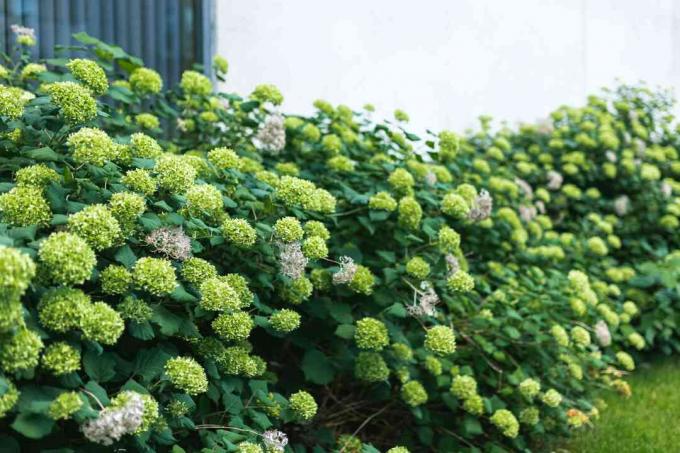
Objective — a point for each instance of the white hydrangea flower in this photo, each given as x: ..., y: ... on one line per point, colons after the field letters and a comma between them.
x: 272, y: 135
x: 112, y: 424
x: 291, y: 259
x: 604, y: 337
x: 554, y: 180
x: 275, y: 440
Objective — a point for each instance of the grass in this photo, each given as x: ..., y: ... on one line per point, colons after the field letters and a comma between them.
x: 646, y: 422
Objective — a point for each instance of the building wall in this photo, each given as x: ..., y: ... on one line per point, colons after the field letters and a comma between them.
x: 446, y: 62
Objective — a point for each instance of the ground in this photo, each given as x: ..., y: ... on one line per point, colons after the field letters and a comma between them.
x: 647, y: 422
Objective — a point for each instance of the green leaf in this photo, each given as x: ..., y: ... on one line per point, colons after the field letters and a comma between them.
x: 100, y: 368
x: 33, y: 426
x: 42, y: 154
x: 125, y: 256
x: 149, y: 363
x: 397, y: 309
x: 169, y: 322
x: 317, y: 368
x: 181, y: 295
x: 345, y: 331
x: 471, y: 426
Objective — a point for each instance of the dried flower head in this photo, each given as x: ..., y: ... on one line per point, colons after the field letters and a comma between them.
x: 481, y: 207
x: 347, y: 270
x: 171, y: 242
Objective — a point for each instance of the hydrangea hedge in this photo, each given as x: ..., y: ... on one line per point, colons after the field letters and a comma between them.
x: 185, y: 269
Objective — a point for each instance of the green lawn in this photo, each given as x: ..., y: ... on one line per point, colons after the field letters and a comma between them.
x: 649, y: 421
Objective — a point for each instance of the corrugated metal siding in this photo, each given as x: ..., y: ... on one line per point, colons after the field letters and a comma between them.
x: 169, y: 35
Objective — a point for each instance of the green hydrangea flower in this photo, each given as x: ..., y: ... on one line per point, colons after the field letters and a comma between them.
x: 204, y: 201
x: 11, y: 314
x: 126, y: 208
x: 89, y: 74
x: 67, y: 258
x: 460, y: 281
x: 474, y: 405
x: 398, y: 449
x: 288, y: 229
x: 115, y: 279
x: 239, y: 232
x: 218, y: 295
x: 61, y: 358
x: 560, y: 335
x: 303, y: 405
x: 455, y: 205
x: 371, y: 334
x: 309, y: 131
x: 363, y: 280
x: 194, y: 83
x: 145, y: 147
x: 234, y: 326
x: 38, y: 175
x: 413, y: 393
x: 401, y: 181
x: 61, y: 309
x: 332, y: 144
x: 25, y: 206
x: 529, y: 388
x: 8, y: 399
x: 418, y: 268
x: 529, y: 416
x: 140, y: 181
x: 371, y: 367
x: 449, y: 144
x: 154, y: 275
x: 135, y: 310
x: 267, y: 93
x: 21, y: 351
x: 505, y: 421
x: 402, y: 352
x: 220, y: 64
x: 321, y: 279
x: 224, y: 159
x: 449, y: 240
x: 74, y: 100
x: 315, y: 248
x: 147, y: 121
x: 284, y: 320
x: 16, y: 272
x: 433, y: 365
x: 197, y: 270
x: 298, y: 291
x: 13, y: 101
x: 410, y: 213
x: 32, y: 71
x: 580, y: 336
x: 625, y: 360
x: 440, y: 340
x: 97, y: 225
x: 145, y: 81
x: 65, y: 405
x: 551, y: 398
x: 314, y: 228
x: 248, y: 447
x: 101, y: 323
x: 464, y: 387
x: 186, y: 374
x: 174, y: 174
x: 350, y: 444
x: 91, y: 146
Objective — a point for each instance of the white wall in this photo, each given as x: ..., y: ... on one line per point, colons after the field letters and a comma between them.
x: 447, y: 61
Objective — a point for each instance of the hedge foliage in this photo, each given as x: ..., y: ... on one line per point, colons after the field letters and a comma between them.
x: 189, y: 270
